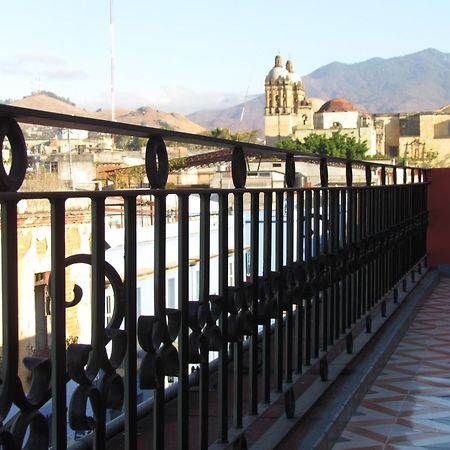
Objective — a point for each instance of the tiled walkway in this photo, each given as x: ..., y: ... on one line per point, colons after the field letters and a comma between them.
x: 408, y: 406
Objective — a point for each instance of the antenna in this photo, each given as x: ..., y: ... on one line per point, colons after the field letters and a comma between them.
x: 111, y: 38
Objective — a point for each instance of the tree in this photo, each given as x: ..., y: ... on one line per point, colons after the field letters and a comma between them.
x: 129, y: 142
x: 338, y: 145
x: 225, y: 133
x: 53, y: 95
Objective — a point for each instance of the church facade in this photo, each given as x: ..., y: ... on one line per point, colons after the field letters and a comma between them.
x: 422, y: 138
x: 290, y: 114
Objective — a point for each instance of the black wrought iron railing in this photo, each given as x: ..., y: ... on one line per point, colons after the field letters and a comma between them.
x: 283, y: 275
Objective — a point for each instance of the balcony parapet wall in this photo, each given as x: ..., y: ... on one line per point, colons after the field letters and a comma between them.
x: 438, y: 237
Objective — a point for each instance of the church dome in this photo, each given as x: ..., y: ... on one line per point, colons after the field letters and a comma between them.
x: 338, y: 105
x: 292, y: 75
x: 277, y: 71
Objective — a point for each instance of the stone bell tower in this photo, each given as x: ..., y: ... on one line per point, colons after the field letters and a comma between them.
x: 284, y: 96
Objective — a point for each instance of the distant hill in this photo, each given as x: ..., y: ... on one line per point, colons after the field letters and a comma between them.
x: 410, y: 83
x: 142, y: 116
x: 252, y: 113
x: 154, y: 118
x: 50, y: 103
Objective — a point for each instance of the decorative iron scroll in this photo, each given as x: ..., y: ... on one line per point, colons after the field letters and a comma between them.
x: 268, y: 295
x: 29, y: 416
x: 156, y: 336
x: 97, y: 379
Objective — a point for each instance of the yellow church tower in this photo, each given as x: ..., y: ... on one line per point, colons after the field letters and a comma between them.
x: 285, y: 102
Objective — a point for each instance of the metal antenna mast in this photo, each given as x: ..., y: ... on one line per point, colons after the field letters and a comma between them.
x: 111, y: 37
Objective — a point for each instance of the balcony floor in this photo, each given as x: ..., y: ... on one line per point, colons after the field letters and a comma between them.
x: 408, y: 406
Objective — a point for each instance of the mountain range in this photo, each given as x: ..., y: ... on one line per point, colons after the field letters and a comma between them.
x: 410, y: 83
x: 145, y: 116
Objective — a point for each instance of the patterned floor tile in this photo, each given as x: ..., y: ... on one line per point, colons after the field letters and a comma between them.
x: 408, y: 406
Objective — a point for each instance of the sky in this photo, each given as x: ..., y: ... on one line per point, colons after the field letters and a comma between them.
x: 201, y: 54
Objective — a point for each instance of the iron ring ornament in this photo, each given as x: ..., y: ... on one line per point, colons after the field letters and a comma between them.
x: 323, y: 172
x: 290, y: 170
x: 238, y: 168
x: 10, y: 129
x: 206, y: 336
x: 349, y: 173
x: 156, y: 162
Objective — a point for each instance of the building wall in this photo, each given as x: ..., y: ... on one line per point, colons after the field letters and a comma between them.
x: 328, y: 120
x: 278, y: 127
x: 368, y: 134
x: 388, y: 133
x: 406, y: 134
x: 435, y: 133
x: 438, y: 244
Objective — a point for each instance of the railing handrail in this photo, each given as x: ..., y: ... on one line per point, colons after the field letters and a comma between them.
x: 52, y: 119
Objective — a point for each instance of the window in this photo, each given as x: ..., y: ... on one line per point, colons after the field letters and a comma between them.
x: 393, y: 150
x: 410, y: 125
